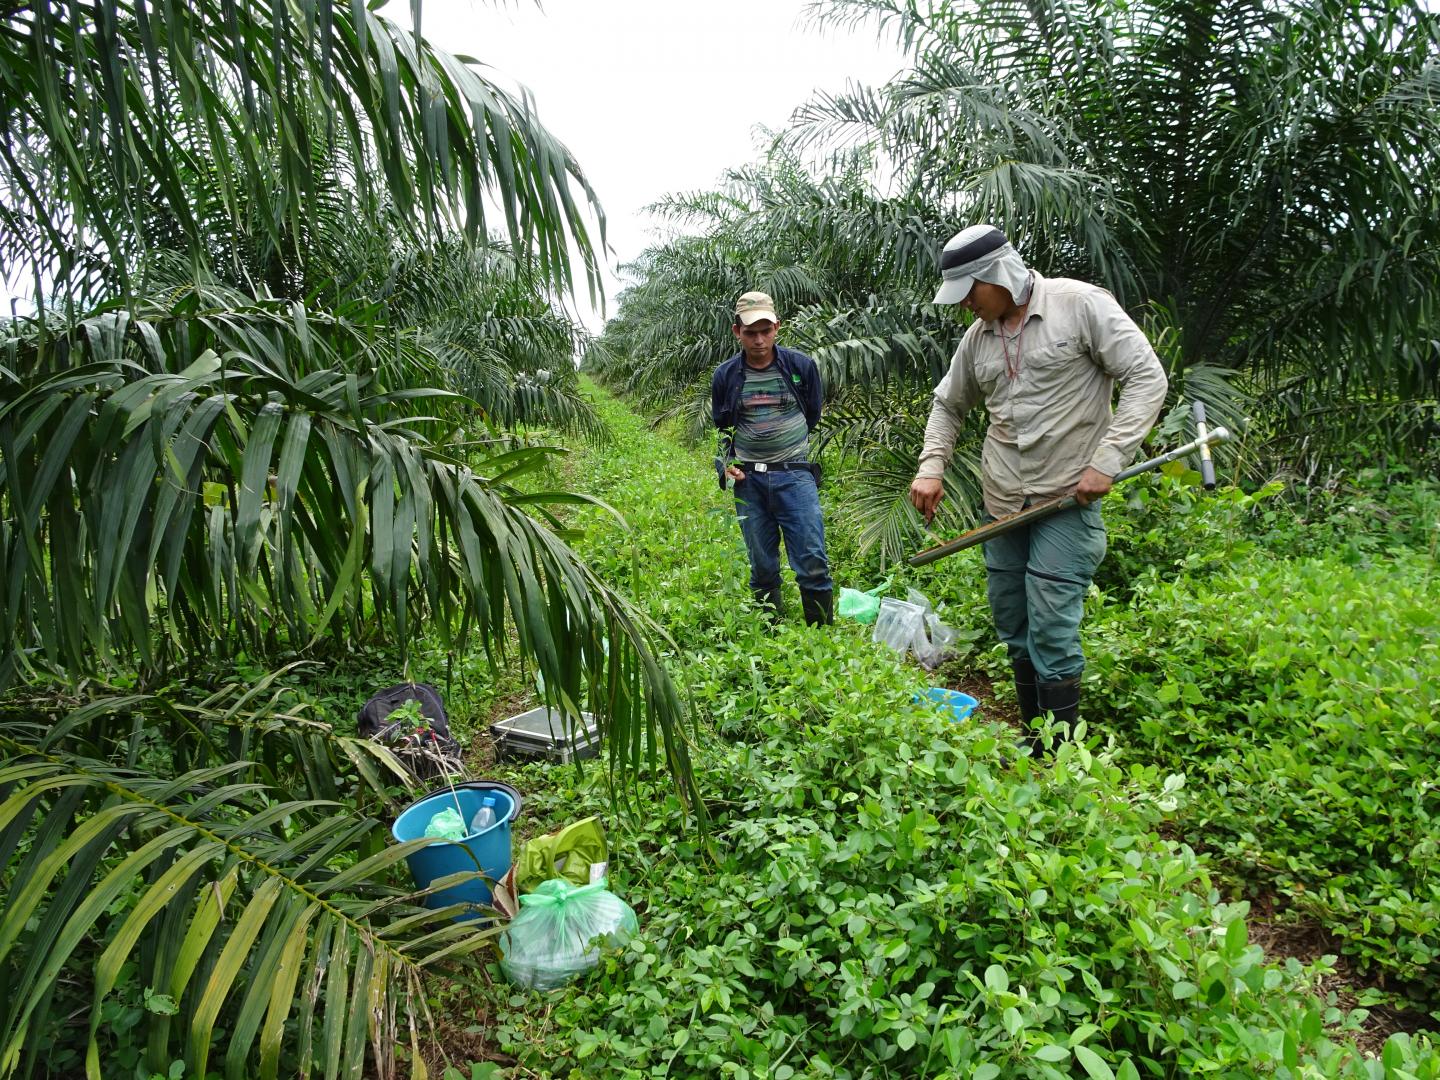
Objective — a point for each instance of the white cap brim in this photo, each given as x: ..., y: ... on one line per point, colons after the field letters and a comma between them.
x: 953, y: 291
x: 755, y: 316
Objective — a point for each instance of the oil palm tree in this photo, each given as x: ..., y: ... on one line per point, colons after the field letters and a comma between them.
x: 223, y: 128
x: 1256, y: 180
x: 848, y: 267
x: 275, y: 492
x: 242, y: 887
x: 247, y: 417
x: 502, y: 343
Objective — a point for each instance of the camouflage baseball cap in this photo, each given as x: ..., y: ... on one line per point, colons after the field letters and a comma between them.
x: 754, y: 306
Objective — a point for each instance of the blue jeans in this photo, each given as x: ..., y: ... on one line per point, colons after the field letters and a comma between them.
x: 772, y: 504
x: 1038, y: 577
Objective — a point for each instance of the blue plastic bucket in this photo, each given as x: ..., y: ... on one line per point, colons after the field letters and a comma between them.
x: 487, y: 851
x: 952, y: 701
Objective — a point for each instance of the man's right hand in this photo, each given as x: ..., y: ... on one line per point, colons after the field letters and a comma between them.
x: 734, y: 472
x: 926, y: 493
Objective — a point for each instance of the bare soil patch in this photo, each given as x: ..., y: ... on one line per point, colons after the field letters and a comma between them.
x: 1285, y: 933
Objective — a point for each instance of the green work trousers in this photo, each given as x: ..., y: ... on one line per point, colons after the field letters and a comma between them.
x: 1038, y: 577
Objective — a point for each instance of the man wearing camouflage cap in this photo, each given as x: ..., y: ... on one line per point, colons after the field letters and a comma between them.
x: 766, y: 400
x: 1044, y: 355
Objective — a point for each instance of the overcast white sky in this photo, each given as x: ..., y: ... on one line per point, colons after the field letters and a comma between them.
x: 656, y: 96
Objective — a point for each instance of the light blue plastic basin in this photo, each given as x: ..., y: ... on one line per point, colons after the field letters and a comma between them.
x: 953, y: 702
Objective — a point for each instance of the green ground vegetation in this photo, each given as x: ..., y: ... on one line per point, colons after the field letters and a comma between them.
x: 885, y: 893
x: 881, y: 892
x: 279, y: 428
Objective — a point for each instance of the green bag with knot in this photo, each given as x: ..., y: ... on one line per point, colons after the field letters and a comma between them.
x: 560, y: 932
x: 861, y: 606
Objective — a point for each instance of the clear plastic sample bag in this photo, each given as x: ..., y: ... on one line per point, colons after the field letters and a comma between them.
x: 911, y: 624
x: 898, y: 623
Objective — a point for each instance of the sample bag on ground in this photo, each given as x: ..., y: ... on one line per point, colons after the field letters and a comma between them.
x: 861, y: 606
x: 897, y: 624
x: 577, y: 853
x: 560, y: 932
x: 912, y: 625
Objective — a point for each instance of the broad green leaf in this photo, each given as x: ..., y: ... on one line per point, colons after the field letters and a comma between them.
x: 1092, y: 1063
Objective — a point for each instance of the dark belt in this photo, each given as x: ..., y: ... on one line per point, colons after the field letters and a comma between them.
x: 774, y: 466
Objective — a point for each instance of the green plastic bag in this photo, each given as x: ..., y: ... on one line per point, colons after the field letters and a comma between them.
x: 560, y: 932
x: 862, y: 606
x: 568, y: 853
x: 447, y: 825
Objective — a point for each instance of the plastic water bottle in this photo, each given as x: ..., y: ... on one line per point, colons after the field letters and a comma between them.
x: 485, y: 816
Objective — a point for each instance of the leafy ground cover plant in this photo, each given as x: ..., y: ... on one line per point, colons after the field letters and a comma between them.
x: 1299, y: 697
x: 885, y: 893
x: 899, y: 903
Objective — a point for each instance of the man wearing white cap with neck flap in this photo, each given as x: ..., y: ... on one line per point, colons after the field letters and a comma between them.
x: 1044, y: 355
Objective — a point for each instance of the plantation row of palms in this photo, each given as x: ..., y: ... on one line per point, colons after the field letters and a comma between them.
x: 1256, y: 183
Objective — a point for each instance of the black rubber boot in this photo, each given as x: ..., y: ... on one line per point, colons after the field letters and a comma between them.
x: 1061, y: 698
x: 1025, y: 692
x: 1027, y: 697
x: 818, y: 605
x: 770, y: 603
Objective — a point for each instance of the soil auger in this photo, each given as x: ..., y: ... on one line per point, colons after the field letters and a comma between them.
x: 1207, y: 437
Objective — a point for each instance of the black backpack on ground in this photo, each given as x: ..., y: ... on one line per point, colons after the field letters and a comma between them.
x: 426, y: 749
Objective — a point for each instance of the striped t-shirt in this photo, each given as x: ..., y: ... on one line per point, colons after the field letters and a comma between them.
x: 771, y: 425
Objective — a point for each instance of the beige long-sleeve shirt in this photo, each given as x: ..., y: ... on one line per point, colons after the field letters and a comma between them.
x: 1053, y: 418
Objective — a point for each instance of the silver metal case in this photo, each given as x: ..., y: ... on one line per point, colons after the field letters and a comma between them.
x: 545, y: 733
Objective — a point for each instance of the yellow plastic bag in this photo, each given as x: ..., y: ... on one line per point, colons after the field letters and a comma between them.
x: 568, y: 853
